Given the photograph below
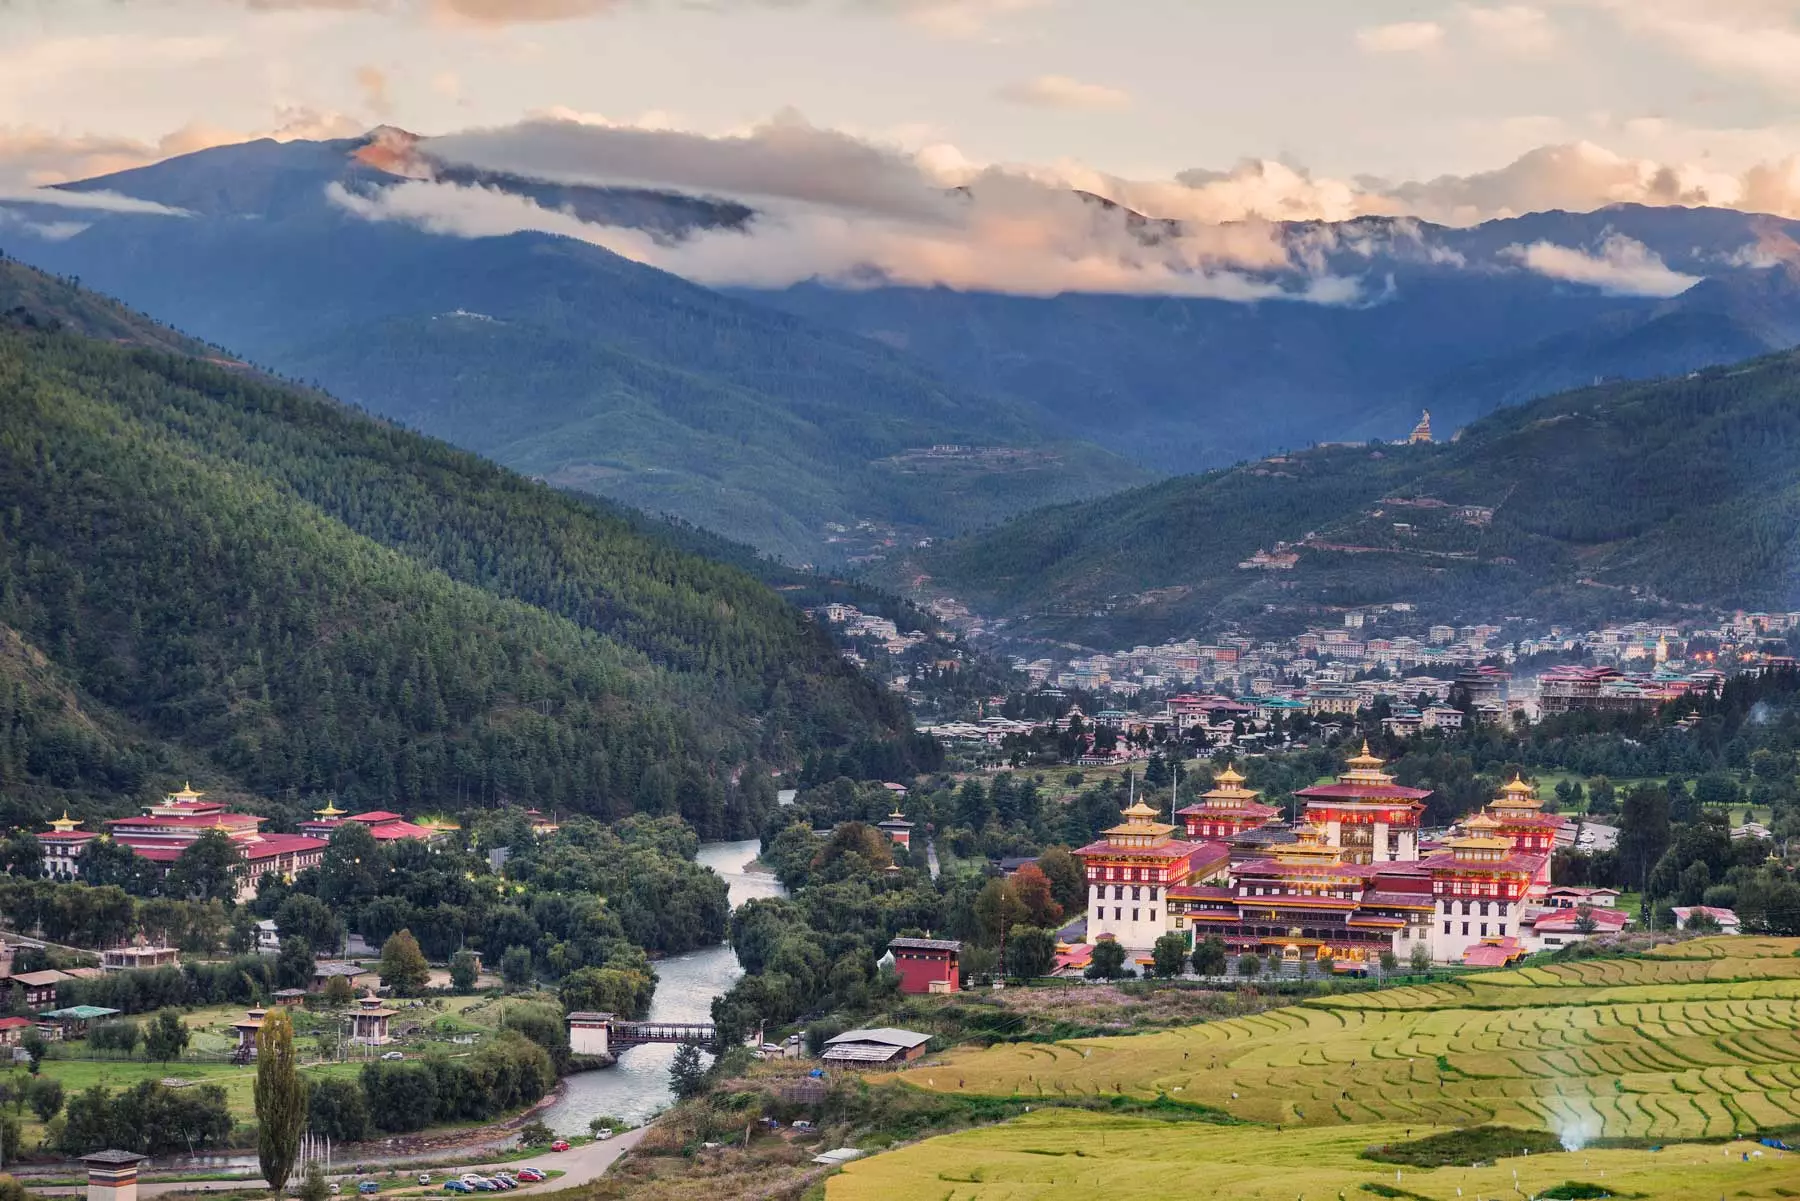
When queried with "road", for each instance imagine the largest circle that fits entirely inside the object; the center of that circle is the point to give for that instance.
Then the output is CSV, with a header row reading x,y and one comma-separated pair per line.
x,y
579,1166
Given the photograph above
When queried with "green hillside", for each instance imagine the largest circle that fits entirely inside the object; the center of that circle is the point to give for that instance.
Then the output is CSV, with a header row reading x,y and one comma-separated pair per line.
x,y
216,568
1682,491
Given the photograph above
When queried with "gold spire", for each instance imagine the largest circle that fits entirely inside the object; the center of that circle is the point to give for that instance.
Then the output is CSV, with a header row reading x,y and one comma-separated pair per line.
x,y
1230,776
64,824
1517,794
1366,760
329,811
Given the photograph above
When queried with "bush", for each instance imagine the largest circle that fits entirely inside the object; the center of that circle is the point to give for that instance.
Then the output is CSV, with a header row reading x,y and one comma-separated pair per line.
x,y
338,1109
536,1134
402,1097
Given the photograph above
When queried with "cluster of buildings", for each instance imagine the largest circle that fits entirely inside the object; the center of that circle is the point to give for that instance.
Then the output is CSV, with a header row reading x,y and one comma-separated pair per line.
x,y
163,831
1327,669
1353,878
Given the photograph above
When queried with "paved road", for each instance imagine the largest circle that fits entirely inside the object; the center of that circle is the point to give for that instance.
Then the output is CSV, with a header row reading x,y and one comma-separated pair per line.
x,y
579,1166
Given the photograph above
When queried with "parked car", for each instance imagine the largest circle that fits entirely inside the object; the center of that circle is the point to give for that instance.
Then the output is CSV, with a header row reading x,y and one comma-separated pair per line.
x,y
532,1175
457,1186
507,1178
368,1186
484,1185
472,1178
561,1144
393,1055
336,1188
604,1133
424,1177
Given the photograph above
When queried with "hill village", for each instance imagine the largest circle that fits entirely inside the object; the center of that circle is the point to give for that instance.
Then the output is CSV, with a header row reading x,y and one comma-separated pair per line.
x,y
1236,691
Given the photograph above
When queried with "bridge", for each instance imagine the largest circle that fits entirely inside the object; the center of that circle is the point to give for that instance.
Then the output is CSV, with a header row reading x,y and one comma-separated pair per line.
x,y
636,1034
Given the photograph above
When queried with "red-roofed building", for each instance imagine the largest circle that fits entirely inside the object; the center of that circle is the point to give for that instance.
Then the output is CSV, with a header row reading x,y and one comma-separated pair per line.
x,y
1553,928
1227,810
163,831
1130,871
1372,818
63,844
385,826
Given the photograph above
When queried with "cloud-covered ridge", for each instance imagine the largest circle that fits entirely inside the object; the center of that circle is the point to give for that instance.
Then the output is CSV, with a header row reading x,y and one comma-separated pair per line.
x,y
1621,266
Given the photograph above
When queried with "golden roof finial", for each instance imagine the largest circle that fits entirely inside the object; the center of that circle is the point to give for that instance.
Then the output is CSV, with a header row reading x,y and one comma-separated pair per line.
x,y
64,824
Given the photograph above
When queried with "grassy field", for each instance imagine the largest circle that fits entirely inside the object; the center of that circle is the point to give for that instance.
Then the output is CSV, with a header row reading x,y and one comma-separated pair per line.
x,y
1066,1154
1700,1040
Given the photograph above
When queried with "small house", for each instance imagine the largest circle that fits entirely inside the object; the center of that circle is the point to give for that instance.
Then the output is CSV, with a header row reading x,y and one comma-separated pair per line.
x,y
369,1022
73,1022
589,1032
12,1031
112,1175
1725,919
268,937
289,996
875,1047
354,974
33,989
926,965
247,1028
137,955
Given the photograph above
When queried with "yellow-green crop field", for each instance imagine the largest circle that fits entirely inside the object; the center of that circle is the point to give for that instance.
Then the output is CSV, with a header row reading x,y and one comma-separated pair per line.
x,y
1698,1041
1068,1155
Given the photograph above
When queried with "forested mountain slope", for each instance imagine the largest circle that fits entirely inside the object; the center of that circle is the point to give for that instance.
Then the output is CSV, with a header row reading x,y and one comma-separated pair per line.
x,y
558,358
1684,491
309,600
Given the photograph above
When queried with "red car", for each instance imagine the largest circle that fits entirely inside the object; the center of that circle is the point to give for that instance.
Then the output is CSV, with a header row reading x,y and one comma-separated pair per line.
x,y
561,1144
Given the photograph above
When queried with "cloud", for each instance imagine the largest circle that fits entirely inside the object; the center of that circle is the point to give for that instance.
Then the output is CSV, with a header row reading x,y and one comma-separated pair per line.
x,y
1733,37
100,202
959,19
783,159
32,157
1514,28
1059,91
1622,267
373,82
835,208
1403,37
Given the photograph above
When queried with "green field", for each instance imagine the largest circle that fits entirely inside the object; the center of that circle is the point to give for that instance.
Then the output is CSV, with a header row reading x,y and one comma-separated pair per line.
x,y
1699,1040
1066,1155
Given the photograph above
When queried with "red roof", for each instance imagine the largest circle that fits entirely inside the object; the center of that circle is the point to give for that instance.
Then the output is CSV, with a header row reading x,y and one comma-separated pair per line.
x,y
1563,921
186,821
1363,792
1493,954
67,836
390,831
1173,849
376,815
1202,892
272,845
14,1023
1399,900
156,854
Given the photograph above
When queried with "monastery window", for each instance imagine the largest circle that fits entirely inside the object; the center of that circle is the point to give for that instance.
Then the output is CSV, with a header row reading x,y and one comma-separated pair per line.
x,y
1446,927
1405,932
1134,915
1484,909
1465,929
1484,929
1502,929
1153,915
1118,892
1134,892
1118,914
1502,908
1153,892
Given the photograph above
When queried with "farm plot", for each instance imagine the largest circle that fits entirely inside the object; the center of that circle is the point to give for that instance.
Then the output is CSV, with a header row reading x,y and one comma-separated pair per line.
x,y
1061,1154
1705,1045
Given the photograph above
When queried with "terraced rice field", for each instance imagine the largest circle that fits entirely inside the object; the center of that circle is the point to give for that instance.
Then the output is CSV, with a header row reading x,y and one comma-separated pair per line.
x,y
1697,1041
1064,1155
1700,1042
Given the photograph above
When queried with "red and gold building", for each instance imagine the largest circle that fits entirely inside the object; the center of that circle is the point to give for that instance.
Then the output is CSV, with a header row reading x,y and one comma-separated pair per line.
x,y
1131,870
1372,818
1227,810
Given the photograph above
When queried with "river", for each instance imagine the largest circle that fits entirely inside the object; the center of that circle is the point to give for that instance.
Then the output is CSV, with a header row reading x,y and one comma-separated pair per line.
x,y
638,1085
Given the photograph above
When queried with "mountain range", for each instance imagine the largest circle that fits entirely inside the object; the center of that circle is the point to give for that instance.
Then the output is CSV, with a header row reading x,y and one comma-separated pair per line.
x,y
556,357
800,419
206,571
1632,497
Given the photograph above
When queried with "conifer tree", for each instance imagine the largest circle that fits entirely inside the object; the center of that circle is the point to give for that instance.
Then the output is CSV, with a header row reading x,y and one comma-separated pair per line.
x,y
280,1100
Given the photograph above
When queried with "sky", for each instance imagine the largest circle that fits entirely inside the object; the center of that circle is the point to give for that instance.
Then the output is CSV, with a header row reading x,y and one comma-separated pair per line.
x,y
1199,110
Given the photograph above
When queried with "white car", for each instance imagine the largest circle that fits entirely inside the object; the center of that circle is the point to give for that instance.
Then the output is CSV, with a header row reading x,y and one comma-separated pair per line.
x,y
393,1055
603,1133
424,1177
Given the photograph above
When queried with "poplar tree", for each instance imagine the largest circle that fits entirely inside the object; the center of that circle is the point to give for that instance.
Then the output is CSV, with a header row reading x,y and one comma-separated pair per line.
x,y
280,1100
